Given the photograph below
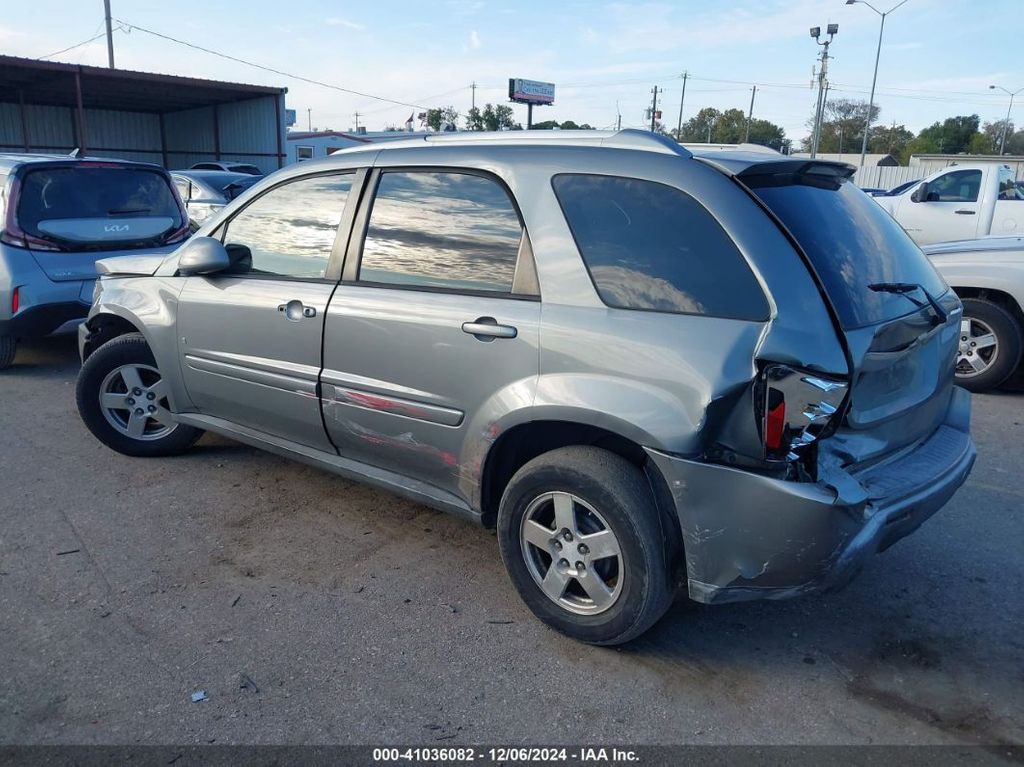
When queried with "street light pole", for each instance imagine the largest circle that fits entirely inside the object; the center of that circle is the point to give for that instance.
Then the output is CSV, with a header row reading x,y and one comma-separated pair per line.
x,y
1006,122
819,110
874,78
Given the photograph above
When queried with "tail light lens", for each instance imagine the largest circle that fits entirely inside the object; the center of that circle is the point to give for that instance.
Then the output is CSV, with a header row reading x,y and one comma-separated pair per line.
x,y
15,301
798,408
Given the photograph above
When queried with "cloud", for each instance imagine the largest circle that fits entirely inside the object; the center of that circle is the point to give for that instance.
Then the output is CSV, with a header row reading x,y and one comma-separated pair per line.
x,y
336,21
474,40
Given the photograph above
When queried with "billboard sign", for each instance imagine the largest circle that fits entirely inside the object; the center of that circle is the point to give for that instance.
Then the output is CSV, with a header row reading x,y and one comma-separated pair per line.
x,y
530,91
289,117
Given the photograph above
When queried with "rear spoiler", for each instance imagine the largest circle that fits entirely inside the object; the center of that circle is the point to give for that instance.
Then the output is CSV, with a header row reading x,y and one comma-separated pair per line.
x,y
748,166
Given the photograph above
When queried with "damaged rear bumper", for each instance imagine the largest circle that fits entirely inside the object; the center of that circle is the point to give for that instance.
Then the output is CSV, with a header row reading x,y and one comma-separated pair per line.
x,y
748,536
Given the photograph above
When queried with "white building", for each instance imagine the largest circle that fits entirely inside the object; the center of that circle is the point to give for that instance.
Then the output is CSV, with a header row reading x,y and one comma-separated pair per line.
x,y
313,145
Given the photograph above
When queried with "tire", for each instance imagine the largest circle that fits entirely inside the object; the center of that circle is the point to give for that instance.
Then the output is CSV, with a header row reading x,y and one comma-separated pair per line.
x,y
605,493
124,418
980,368
8,348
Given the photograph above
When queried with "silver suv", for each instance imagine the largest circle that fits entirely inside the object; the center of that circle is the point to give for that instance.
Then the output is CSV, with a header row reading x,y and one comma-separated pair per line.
x,y
57,216
642,365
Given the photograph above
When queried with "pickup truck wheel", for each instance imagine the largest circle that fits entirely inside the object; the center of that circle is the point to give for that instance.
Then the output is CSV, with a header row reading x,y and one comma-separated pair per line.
x,y
122,399
8,347
990,345
582,541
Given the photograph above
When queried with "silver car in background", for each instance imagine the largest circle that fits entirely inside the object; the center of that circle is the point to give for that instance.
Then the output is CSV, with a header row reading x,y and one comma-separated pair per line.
x,y
205,192
58,215
643,366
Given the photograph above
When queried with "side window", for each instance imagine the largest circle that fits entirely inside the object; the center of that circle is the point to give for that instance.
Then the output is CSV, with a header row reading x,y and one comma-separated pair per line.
x,y
958,186
289,231
653,247
441,230
1008,186
303,153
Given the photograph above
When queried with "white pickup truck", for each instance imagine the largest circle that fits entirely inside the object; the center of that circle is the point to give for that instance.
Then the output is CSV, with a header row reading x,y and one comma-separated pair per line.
x,y
988,275
960,202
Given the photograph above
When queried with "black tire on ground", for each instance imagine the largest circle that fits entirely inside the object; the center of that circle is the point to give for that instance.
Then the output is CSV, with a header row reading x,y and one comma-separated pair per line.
x,y
1008,337
124,350
8,348
621,494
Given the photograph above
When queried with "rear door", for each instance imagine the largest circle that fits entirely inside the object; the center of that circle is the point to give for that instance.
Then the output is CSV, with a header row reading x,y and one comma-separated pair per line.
x,y
902,349
433,331
249,338
951,212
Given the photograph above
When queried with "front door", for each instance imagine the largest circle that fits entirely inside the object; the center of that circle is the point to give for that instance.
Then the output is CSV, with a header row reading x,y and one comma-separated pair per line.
x,y
951,211
250,339
434,331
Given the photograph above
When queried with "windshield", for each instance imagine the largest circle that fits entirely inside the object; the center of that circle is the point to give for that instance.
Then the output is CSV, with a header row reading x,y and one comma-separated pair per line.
x,y
852,243
84,205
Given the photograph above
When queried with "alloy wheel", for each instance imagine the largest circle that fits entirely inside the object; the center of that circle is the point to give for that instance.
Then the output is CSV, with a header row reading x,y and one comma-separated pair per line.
x,y
572,553
133,399
979,348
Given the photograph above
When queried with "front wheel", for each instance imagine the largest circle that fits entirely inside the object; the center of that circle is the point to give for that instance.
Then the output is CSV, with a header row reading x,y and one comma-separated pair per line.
x,y
990,345
122,399
582,540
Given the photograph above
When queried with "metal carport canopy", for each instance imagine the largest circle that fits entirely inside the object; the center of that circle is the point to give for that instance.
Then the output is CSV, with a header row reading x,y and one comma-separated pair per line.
x,y
85,90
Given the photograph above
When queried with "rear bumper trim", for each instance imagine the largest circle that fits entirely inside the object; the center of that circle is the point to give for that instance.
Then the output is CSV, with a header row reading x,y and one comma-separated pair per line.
x,y
38,321
747,536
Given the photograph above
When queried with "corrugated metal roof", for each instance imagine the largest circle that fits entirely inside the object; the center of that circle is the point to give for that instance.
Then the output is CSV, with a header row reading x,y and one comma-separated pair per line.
x,y
51,83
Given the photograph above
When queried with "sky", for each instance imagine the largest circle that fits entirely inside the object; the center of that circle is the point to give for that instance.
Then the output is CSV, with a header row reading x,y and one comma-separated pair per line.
x,y
938,56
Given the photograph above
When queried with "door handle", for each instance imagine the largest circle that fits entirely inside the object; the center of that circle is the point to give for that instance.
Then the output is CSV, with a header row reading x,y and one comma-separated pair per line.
x,y
295,311
965,212
487,329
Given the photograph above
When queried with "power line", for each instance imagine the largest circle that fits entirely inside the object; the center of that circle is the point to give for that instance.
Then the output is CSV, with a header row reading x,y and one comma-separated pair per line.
x,y
129,26
72,47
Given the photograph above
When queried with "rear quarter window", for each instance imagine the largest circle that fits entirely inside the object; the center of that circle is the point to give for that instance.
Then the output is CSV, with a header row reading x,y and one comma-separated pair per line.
x,y
652,247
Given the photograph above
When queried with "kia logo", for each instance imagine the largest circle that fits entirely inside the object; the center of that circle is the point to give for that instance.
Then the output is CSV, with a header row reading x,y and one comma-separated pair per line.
x,y
116,228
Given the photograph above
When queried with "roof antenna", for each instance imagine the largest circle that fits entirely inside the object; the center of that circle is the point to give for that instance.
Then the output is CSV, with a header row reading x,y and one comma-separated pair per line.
x,y
74,152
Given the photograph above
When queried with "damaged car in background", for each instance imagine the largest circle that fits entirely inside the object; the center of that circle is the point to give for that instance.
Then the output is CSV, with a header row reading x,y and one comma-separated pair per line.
x,y
643,366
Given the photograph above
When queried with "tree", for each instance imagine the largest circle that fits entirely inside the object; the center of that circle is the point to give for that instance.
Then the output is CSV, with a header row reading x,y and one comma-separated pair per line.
x,y
842,126
474,119
500,117
440,119
729,127
891,139
555,125
952,136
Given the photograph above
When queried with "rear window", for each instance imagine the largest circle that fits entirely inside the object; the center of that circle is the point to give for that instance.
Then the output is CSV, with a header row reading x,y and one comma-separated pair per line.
x,y
851,243
652,247
85,206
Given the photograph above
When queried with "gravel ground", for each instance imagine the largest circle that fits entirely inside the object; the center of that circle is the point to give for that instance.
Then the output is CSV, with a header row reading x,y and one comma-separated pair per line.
x,y
314,610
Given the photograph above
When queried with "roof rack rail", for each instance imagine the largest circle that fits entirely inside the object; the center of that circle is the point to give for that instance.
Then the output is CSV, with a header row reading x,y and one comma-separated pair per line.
x,y
623,139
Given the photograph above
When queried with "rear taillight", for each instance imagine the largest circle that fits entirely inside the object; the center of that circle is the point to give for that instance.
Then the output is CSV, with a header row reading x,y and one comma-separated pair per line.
x,y
178,235
798,408
13,234
15,301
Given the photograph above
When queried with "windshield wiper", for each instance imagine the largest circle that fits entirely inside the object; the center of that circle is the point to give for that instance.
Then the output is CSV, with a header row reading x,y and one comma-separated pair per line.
x,y
905,289
127,211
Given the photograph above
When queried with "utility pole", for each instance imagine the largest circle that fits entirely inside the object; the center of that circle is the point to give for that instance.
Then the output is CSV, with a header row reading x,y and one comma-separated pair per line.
x,y
654,108
750,115
110,34
831,31
473,87
357,122
682,99
618,117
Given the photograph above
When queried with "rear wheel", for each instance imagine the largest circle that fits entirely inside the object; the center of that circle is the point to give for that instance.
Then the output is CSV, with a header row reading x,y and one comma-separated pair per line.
x,y
582,541
990,345
122,398
8,348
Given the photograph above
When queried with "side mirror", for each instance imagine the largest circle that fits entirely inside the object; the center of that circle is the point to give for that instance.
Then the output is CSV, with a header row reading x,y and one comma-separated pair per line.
x,y
921,193
202,255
